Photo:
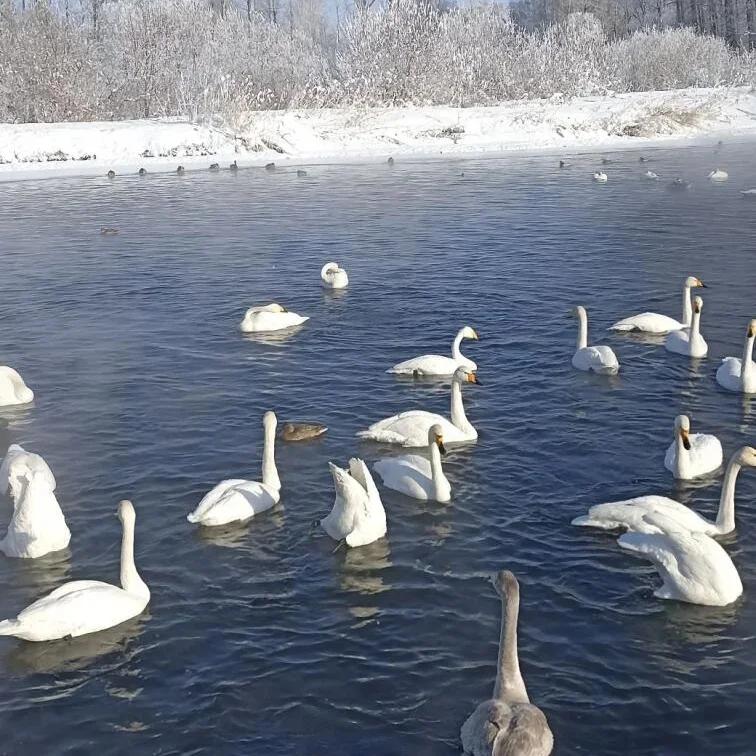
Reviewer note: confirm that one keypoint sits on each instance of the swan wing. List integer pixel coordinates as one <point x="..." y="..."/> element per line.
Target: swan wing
<point x="427" y="364"/>
<point x="409" y="428"/>
<point x="496" y="728"/>
<point x="599" y="359"/>
<point x="706" y="452"/>
<point x="18" y="461"/>
<point x="13" y="390"/>
<point x="648" y="322"/>
<point x="410" y="475"/>
<point x="212" y="497"/>
<point x="238" y="503"/>
<point x="728" y="374"/>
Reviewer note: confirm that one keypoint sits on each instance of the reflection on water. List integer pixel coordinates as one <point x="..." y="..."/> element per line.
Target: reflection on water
<point x="274" y="338"/>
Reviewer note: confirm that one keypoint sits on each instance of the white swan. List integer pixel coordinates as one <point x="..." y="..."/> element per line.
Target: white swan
<point x="692" y="455"/>
<point x="437" y="364"/>
<point x="38" y="526"/>
<point x="32" y="462"/>
<point x="13" y="390"/>
<point x="651" y="176"/>
<point x="417" y="476"/>
<point x="599" y="359"/>
<point x="507" y="724"/>
<point x="600" y="177"/>
<point x="236" y="499"/>
<point x="357" y="516"/>
<point x="629" y="514"/>
<point x="718" y="175"/>
<point x="689" y="341"/>
<point x="693" y="566"/>
<point x="411" y="428"/>
<point x="333" y="276"/>
<point x="652" y="322"/>
<point x="737" y="374"/>
<point x="86" y="606"/>
<point x="270" y="317"/>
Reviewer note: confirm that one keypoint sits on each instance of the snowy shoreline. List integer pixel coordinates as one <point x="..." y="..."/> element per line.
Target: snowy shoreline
<point x="353" y="135"/>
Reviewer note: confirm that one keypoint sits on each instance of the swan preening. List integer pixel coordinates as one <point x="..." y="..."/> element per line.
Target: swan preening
<point x="437" y="364"/>
<point x="37" y="526"/>
<point x="598" y="359"/>
<point x="357" y="516"/>
<point x="631" y="513"/>
<point x="13" y="390"/>
<point x="272" y="317"/>
<point x="691" y="455"/>
<point x="688" y="341"/>
<point x="507" y="724"/>
<point x="735" y="374"/>
<point x="86" y="606"/>
<point x="417" y="476"/>
<point x="693" y="566"/>
<point x="334" y="277"/>
<point x="652" y="322"/>
<point x="236" y="499"/>
<point x="600" y="177"/>
<point x="411" y="428"/>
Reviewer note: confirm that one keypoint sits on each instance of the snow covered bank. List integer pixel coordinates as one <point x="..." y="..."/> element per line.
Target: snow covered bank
<point x="298" y="137"/>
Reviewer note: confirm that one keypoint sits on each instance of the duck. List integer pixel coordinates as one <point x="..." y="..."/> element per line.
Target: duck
<point x="235" y="499"/>
<point x="437" y="364"/>
<point x="417" y="476"/>
<point x="507" y="724"/>
<point x="598" y="359"/>
<point x="334" y="277"/>
<point x="736" y="374"/>
<point x="600" y="177"/>
<point x="214" y="167"/>
<point x="142" y="171"/>
<point x="390" y="161"/>
<point x="692" y="455"/>
<point x="233" y="167"/>
<point x="270" y="166"/>
<point x="180" y="170"/>
<point x="301" y="173"/>
<point x="38" y="526"/>
<point x="357" y="516"/>
<point x="629" y="514"/>
<point x="301" y="431"/>
<point x="108" y="231"/>
<point x="111" y="174"/>
<point x="13" y="390"/>
<point x="652" y="322"/>
<point x="411" y="428"/>
<point x="86" y="606"/>
<point x="679" y="184"/>
<point x="694" y="568"/>
<point x="718" y="175"/>
<point x="271" y="317"/>
<point x="689" y="341"/>
<point x="563" y="164"/>
<point x="29" y="460"/>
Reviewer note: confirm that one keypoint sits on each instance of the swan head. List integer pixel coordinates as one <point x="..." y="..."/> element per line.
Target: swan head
<point x="746" y="456"/>
<point x="470" y="333"/>
<point x="436" y="436"/>
<point x="506" y="584"/>
<point x="578" y="312"/>
<point x="691" y="282"/>
<point x="752" y="329"/>
<point x="270" y="421"/>
<point x="697" y="304"/>
<point x="682" y="426"/>
<point x="463" y="375"/>
<point x="126" y="512"/>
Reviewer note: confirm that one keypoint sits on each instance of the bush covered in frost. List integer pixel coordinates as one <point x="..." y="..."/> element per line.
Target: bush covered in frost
<point x="179" y="57"/>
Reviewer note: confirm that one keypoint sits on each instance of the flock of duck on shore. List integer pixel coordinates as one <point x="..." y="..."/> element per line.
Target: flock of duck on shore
<point x="681" y="544"/>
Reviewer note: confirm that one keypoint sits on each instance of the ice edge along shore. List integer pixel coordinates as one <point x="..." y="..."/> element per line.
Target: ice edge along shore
<point x="301" y="137"/>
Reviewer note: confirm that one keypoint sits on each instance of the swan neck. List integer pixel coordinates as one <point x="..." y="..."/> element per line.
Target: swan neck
<point x="582" y="339"/>
<point x="437" y="472"/>
<point x="510" y="686"/>
<point x="726" y="514"/>
<point x="682" y="457"/>
<point x="269" y="472"/>
<point x="695" y="325"/>
<point x="456" y="353"/>
<point x="131" y="582"/>
<point x="687" y="309"/>
<point x="458" y="416"/>
<point x="746" y="367"/>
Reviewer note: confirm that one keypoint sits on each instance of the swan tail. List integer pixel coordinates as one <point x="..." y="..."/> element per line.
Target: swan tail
<point x="9" y="627"/>
<point x="194" y="517"/>
<point x="586" y="521"/>
<point x="622" y="325"/>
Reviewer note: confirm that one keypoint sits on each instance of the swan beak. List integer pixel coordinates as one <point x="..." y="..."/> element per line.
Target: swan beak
<point x="696" y="308"/>
<point x="751" y="332"/>
<point x="475" y="336"/>
<point x="472" y="378"/>
<point x="702" y="284"/>
<point x="440" y="444"/>
<point x="685" y="439"/>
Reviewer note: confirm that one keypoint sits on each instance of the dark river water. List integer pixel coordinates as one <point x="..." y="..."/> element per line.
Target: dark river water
<point x="259" y="639"/>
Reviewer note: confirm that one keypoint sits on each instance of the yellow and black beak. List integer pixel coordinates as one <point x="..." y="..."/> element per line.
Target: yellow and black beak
<point x="473" y="378"/>
<point x="440" y="444"/>
<point x="751" y="332"/>
<point x="685" y="438"/>
<point x="475" y="335"/>
<point x="702" y="284"/>
<point x="696" y="307"/>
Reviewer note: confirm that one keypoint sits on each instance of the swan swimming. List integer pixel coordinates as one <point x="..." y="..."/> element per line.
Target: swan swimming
<point x="333" y="276"/>
<point x="692" y="455"/>
<point x="651" y="176"/>
<point x="600" y="177"/>
<point x="693" y="566"/>
<point x="272" y="317"/>
<point x="38" y="526"/>
<point x="629" y="514"/>
<point x="689" y="341"/>
<point x="507" y="724"/>
<point x="13" y="390"/>
<point x="718" y="175"/>
<point x="33" y="462"/>
<point x="236" y="499"/>
<point x="411" y="428"/>
<point x="736" y="374"/>
<point x="437" y="364"/>
<point x="599" y="359"/>
<point x="86" y="606"/>
<point x="417" y="476"/>
<point x="357" y="516"/>
<point x="652" y="322"/>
